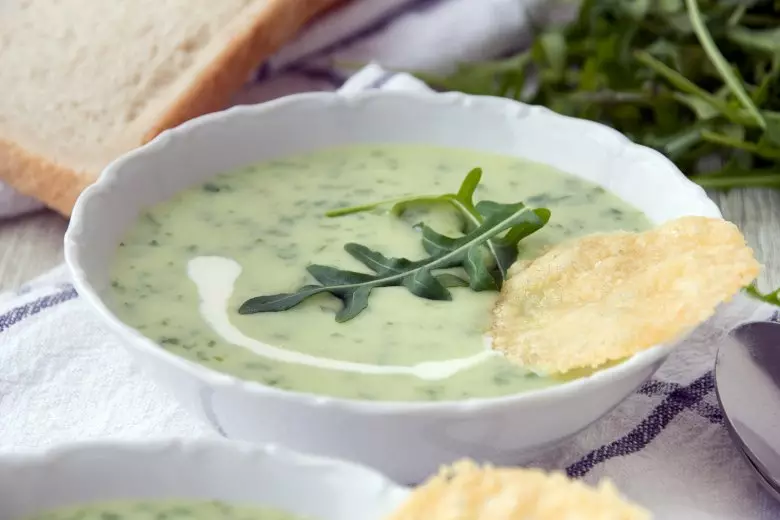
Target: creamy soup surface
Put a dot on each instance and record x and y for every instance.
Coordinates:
(164, 510)
(268, 222)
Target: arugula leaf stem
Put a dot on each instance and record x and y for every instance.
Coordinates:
(737, 15)
(720, 63)
(679, 143)
(442, 261)
(340, 212)
(614, 97)
(759, 19)
(684, 84)
(725, 140)
(469, 212)
(772, 297)
(494, 230)
(747, 180)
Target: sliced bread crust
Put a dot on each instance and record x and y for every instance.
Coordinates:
(58, 184)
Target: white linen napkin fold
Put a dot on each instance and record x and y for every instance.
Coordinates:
(65, 378)
(408, 34)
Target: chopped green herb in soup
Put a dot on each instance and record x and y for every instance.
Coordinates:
(184, 270)
(163, 510)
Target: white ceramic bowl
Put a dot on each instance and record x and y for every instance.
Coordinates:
(322, 489)
(406, 441)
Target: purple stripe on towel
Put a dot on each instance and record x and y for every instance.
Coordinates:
(329, 75)
(677, 401)
(263, 72)
(17, 314)
(299, 66)
(710, 412)
(382, 80)
(655, 388)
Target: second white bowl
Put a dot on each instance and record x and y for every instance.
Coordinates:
(239, 474)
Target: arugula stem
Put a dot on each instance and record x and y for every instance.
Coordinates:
(757, 19)
(611, 97)
(682, 83)
(340, 212)
(760, 93)
(768, 180)
(446, 258)
(737, 15)
(725, 140)
(772, 297)
(470, 213)
(682, 142)
(720, 63)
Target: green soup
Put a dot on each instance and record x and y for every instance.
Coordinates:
(184, 269)
(163, 510)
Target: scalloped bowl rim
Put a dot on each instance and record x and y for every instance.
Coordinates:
(104, 183)
(46, 454)
(54, 456)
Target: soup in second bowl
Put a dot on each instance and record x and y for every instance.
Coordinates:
(186, 267)
(164, 510)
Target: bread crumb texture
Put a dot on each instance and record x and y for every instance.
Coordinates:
(605, 297)
(467, 491)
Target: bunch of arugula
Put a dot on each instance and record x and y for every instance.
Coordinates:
(698, 80)
(488, 246)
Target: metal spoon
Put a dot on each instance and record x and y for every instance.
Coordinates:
(747, 376)
(772, 490)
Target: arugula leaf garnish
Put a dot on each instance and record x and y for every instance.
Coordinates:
(503, 251)
(772, 297)
(698, 80)
(484, 252)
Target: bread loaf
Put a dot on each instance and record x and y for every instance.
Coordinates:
(84, 81)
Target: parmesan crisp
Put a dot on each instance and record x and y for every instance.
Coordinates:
(467, 491)
(605, 297)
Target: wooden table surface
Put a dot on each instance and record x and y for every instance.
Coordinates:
(32, 244)
(29, 245)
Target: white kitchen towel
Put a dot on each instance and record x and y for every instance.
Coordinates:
(407, 34)
(64, 378)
